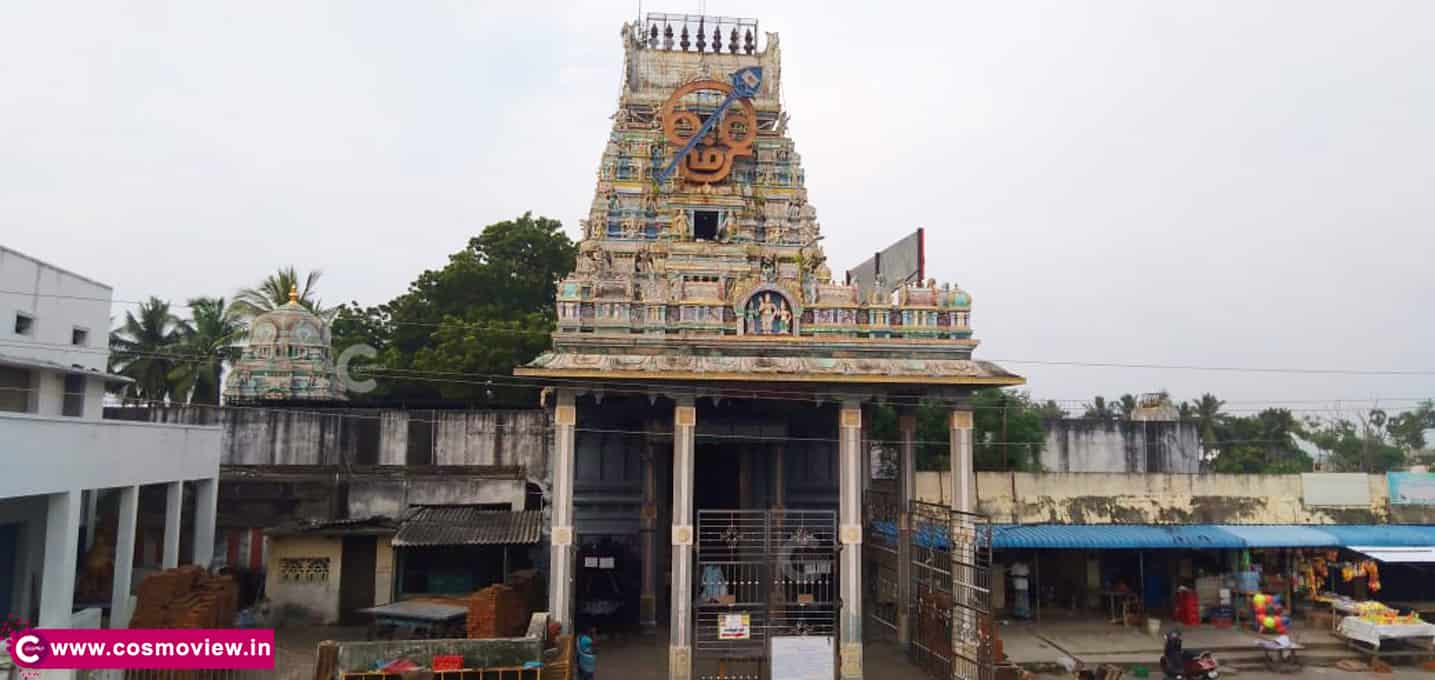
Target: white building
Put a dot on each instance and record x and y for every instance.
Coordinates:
(62, 461)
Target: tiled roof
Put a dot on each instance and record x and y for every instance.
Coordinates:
(335, 527)
(467, 525)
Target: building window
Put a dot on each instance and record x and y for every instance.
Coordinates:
(24, 324)
(14, 390)
(705, 225)
(79, 337)
(74, 403)
(304, 569)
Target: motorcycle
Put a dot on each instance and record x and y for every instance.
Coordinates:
(1178, 663)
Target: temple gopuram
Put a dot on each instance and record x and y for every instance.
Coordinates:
(705, 356)
(288, 358)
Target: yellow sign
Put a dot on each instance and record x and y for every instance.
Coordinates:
(734, 627)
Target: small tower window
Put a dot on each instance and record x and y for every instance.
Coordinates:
(705, 225)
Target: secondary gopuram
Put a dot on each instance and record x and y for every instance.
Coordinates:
(704, 350)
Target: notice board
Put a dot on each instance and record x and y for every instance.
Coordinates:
(806, 657)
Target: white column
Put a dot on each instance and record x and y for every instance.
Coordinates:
(906, 492)
(562, 553)
(62, 543)
(680, 643)
(964, 481)
(849, 462)
(964, 498)
(124, 557)
(173, 506)
(206, 499)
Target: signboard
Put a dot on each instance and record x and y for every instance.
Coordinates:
(735, 627)
(1411, 488)
(1335, 489)
(902, 262)
(803, 658)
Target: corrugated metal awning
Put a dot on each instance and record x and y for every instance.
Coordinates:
(1383, 535)
(1406, 555)
(1112, 536)
(438, 525)
(1282, 535)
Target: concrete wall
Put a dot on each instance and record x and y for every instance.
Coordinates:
(1088, 445)
(319, 601)
(49, 455)
(59, 301)
(29, 515)
(1102, 498)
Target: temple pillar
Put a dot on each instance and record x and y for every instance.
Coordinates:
(906, 492)
(648, 596)
(173, 506)
(964, 499)
(680, 644)
(562, 551)
(849, 462)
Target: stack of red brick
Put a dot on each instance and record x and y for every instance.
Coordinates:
(497, 611)
(185, 597)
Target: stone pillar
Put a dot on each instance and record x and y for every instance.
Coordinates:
(129, 506)
(906, 492)
(648, 596)
(62, 538)
(206, 501)
(849, 463)
(173, 506)
(562, 552)
(680, 644)
(964, 498)
(964, 480)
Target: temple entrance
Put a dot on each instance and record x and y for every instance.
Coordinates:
(762, 576)
(717, 477)
(950, 586)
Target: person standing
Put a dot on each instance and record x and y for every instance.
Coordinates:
(587, 662)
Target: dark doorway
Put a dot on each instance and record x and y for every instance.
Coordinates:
(715, 477)
(356, 577)
(705, 225)
(9, 564)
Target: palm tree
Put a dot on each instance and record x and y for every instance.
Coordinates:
(273, 292)
(1098, 409)
(208, 339)
(1127, 406)
(143, 349)
(1208, 413)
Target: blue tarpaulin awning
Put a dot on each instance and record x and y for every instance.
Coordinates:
(1155, 537)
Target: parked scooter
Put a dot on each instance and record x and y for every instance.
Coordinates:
(1187, 664)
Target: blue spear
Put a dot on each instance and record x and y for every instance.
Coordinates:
(745, 83)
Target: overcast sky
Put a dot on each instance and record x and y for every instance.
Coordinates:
(1205, 183)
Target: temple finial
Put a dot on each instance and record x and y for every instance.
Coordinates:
(293, 294)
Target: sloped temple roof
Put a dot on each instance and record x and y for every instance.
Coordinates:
(701, 259)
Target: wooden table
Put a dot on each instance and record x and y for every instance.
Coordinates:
(416, 620)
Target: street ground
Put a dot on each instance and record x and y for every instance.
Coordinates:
(644, 656)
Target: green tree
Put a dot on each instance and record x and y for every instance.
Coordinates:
(1098, 409)
(1050, 410)
(273, 292)
(207, 340)
(1407, 430)
(1263, 443)
(1007, 431)
(1126, 406)
(1208, 415)
(490, 309)
(1354, 447)
(143, 349)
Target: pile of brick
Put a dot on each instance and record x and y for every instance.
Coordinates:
(495, 612)
(185, 597)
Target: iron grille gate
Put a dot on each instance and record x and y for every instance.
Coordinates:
(881, 571)
(950, 606)
(779, 568)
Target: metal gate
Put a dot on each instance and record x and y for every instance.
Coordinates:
(881, 560)
(760, 574)
(950, 605)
